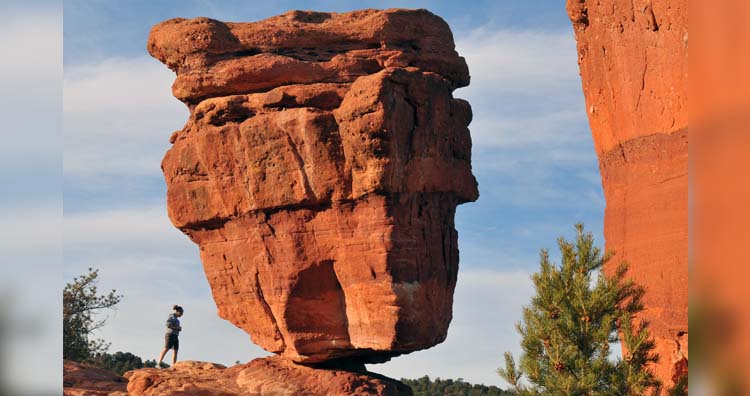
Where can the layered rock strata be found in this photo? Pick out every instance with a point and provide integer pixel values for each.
(261, 377)
(319, 173)
(633, 61)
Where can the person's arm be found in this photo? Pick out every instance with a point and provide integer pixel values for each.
(172, 326)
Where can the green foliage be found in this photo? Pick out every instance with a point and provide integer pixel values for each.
(121, 362)
(569, 325)
(81, 303)
(426, 387)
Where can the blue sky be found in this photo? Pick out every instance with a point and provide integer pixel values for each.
(533, 157)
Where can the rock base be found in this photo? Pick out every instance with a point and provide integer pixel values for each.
(260, 377)
(82, 380)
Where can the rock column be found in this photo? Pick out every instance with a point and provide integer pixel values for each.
(633, 58)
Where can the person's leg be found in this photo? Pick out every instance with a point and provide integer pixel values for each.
(167, 346)
(175, 343)
(161, 357)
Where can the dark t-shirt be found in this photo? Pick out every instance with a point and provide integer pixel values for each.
(173, 322)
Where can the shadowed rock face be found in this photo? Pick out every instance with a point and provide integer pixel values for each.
(319, 173)
(633, 60)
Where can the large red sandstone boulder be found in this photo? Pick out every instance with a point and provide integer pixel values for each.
(261, 377)
(633, 57)
(319, 173)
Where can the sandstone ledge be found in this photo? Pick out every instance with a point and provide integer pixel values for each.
(84, 380)
(271, 376)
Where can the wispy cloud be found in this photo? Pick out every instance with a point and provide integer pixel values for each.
(123, 231)
(30, 73)
(39, 56)
(136, 248)
(532, 145)
(525, 93)
(522, 62)
(118, 116)
(498, 131)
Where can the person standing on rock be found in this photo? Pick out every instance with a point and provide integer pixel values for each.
(171, 340)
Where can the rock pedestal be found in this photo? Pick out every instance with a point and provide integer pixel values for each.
(261, 377)
(633, 61)
(319, 172)
(270, 376)
(84, 380)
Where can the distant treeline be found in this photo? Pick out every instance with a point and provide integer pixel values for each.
(447, 387)
(120, 362)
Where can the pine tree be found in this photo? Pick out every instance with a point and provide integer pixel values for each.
(81, 302)
(569, 325)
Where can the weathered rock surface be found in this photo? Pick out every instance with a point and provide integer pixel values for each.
(633, 61)
(83, 380)
(319, 173)
(261, 377)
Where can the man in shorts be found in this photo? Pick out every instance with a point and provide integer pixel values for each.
(171, 338)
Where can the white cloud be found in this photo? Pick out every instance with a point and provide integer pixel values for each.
(32, 47)
(518, 61)
(137, 250)
(123, 230)
(525, 87)
(118, 116)
(546, 129)
(122, 85)
(532, 145)
(31, 228)
(30, 73)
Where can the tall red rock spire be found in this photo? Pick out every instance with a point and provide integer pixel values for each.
(633, 57)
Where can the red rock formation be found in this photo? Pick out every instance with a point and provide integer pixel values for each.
(261, 377)
(83, 380)
(633, 60)
(319, 172)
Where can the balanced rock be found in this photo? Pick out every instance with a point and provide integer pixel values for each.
(261, 377)
(633, 57)
(319, 173)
